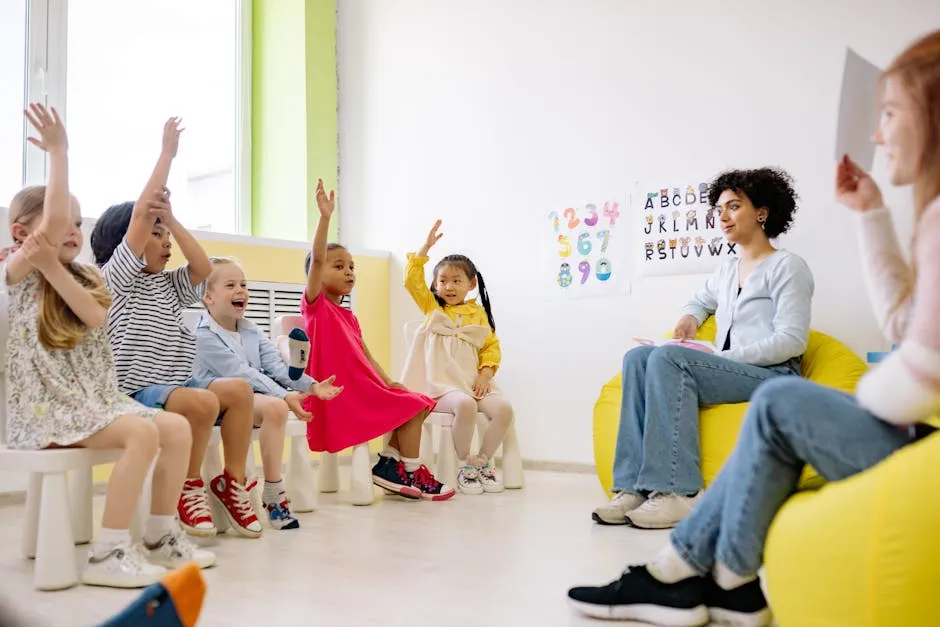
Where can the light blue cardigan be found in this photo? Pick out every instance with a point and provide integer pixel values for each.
(256, 360)
(769, 321)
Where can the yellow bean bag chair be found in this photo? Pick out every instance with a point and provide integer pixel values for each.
(862, 552)
(826, 361)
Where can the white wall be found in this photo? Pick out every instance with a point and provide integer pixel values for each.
(488, 114)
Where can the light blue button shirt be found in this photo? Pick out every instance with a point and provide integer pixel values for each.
(254, 358)
(769, 320)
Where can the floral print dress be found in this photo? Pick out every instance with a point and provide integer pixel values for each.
(56, 397)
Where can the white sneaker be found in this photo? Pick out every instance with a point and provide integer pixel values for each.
(123, 566)
(662, 511)
(468, 480)
(614, 511)
(491, 483)
(175, 549)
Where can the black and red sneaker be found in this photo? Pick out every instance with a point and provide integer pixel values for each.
(431, 488)
(389, 474)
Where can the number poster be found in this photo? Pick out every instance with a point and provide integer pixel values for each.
(678, 232)
(589, 250)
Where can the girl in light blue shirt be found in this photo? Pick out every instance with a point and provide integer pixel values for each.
(228, 345)
(761, 301)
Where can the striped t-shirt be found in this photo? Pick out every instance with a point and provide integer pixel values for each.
(151, 344)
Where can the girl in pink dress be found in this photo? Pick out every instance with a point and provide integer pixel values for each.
(372, 404)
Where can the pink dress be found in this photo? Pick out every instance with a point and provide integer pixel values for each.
(367, 408)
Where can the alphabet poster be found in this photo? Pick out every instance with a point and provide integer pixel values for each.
(678, 232)
(586, 249)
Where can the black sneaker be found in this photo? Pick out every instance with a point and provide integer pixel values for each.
(389, 474)
(745, 606)
(637, 595)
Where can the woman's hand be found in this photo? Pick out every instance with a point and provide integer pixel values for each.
(52, 136)
(433, 238)
(855, 188)
(325, 389)
(295, 402)
(685, 328)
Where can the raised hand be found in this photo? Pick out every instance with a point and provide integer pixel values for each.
(855, 188)
(433, 238)
(40, 252)
(685, 328)
(50, 128)
(171, 136)
(325, 389)
(325, 203)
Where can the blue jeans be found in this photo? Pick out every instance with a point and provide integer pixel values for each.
(790, 422)
(657, 443)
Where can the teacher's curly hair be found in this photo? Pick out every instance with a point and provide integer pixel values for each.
(768, 188)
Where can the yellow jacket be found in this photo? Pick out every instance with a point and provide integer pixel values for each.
(466, 313)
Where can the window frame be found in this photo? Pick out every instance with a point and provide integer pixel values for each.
(47, 82)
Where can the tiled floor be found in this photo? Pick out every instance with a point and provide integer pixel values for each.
(477, 561)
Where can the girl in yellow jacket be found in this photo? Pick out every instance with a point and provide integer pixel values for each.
(454, 358)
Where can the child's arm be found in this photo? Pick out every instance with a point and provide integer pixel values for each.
(198, 262)
(274, 367)
(143, 217)
(45, 257)
(490, 356)
(223, 362)
(326, 205)
(55, 212)
(414, 273)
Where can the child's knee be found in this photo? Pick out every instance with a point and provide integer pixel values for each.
(466, 406)
(144, 438)
(233, 393)
(175, 431)
(201, 409)
(276, 412)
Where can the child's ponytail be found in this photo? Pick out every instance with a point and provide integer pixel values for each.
(485, 300)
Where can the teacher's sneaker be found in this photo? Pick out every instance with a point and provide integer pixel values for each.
(662, 511)
(390, 474)
(614, 511)
(124, 566)
(744, 606)
(175, 549)
(639, 596)
(431, 488)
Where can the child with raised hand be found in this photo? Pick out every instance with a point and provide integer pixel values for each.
(228, 345)
(63, 390)
(454, 358)
(154, 350)
(373, 404)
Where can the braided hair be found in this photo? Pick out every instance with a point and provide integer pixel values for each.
(463, 262)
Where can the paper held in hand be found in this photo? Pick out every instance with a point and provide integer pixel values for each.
(699, 345)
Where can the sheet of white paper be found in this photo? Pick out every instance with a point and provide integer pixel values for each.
(858, 110)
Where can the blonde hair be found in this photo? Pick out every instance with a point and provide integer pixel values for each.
(59, 327)
(917, 69)
(216, 262)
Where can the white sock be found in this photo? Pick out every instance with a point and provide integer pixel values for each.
(669, 567)
(156, 527)
(728, 579)
(411, 465)
(273, 491)
(391, 451)
(107, 539)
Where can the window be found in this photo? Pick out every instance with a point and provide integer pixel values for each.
(12, 97)
(131, 66)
